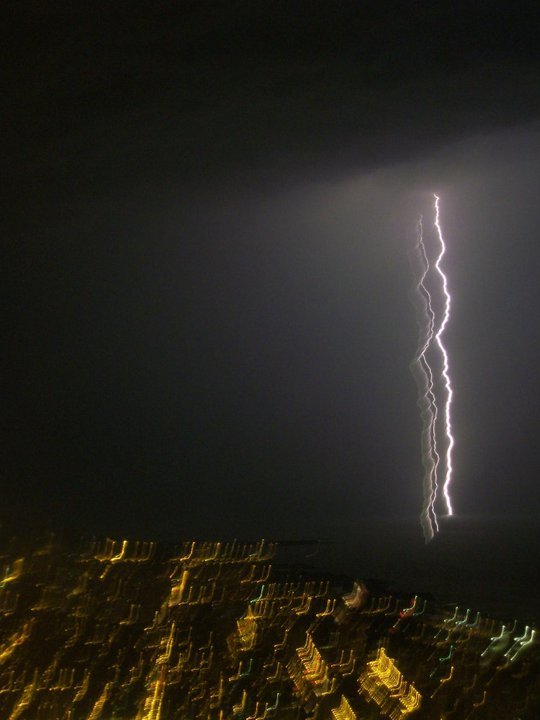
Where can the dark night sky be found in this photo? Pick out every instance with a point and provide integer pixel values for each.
(207, 214)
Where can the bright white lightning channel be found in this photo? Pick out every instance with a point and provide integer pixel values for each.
(430, 340)
(446, 368)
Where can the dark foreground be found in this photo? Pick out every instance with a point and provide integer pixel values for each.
(221, 631)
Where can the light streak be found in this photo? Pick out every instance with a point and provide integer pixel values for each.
(423, 376)
(382, 682)
(446, 367)
(431, 330)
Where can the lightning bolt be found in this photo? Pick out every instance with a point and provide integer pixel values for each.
(428, 338)
(446, 368)
(423, 376)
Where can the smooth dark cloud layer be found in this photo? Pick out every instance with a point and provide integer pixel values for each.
(104, 96)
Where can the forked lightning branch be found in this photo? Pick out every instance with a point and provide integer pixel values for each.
(431, 370)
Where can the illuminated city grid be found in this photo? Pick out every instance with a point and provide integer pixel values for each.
(220, 631)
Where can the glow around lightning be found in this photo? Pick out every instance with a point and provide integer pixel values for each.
(434, 389)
